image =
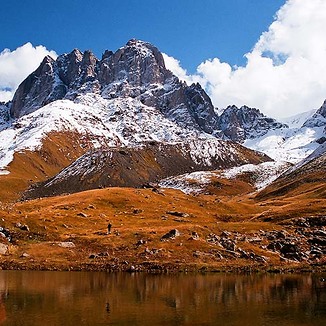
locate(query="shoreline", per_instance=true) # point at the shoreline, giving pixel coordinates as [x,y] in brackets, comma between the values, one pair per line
[165,268]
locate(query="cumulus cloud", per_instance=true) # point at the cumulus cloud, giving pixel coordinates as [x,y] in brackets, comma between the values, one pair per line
[16,65]
[175,66]
[285,72]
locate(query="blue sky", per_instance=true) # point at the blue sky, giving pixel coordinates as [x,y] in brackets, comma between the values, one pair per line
[268,54]
[190,30]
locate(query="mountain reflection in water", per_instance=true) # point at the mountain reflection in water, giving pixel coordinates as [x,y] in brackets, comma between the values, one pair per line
[88,298]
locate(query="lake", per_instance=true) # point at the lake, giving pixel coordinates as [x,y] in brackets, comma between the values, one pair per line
[96,298]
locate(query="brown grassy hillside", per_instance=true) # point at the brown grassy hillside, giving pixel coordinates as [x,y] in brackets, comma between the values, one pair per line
[58,150]
[70,232]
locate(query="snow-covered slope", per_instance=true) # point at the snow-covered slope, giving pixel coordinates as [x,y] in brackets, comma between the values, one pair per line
[288,144]
[196,182]
[320,151]
[115,122]
[308,176]
[293,144]
[318,119]
[297,121]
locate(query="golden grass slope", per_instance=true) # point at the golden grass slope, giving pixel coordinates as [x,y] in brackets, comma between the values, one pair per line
[58,150]
[139,218]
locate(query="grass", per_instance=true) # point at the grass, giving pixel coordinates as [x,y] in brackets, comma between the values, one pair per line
[139,218]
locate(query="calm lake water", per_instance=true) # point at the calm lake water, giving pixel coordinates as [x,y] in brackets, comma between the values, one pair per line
[87,298]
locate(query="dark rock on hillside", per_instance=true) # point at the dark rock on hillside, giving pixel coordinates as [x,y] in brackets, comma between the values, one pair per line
[170,235]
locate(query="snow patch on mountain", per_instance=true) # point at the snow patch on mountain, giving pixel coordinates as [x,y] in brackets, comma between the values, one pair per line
[189,183]
[321,150]
[298,120]
[265,173]
[195,183]
[291,145]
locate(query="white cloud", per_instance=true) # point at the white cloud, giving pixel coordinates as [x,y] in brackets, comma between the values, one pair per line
[285,72]
[174,65]
[16,65]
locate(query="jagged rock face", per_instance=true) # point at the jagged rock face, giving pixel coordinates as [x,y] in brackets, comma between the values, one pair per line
[4,115]
[136,70]
[318,119]
[195,101]
[69,67]
[138,63]
[38,89]
[245,123]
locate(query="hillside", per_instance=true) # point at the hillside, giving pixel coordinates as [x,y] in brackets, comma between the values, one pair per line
[306,178]
[138,167]
[207,233]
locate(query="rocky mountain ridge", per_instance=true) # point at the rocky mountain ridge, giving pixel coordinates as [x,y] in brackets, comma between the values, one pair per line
[240,124]
[136,71]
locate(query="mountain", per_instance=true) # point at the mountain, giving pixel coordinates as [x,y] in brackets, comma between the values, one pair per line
[78,103]
[295,143]
[135,71]
[240,124]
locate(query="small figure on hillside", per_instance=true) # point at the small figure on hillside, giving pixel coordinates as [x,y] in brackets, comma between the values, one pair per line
[108,308]
[109,228]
